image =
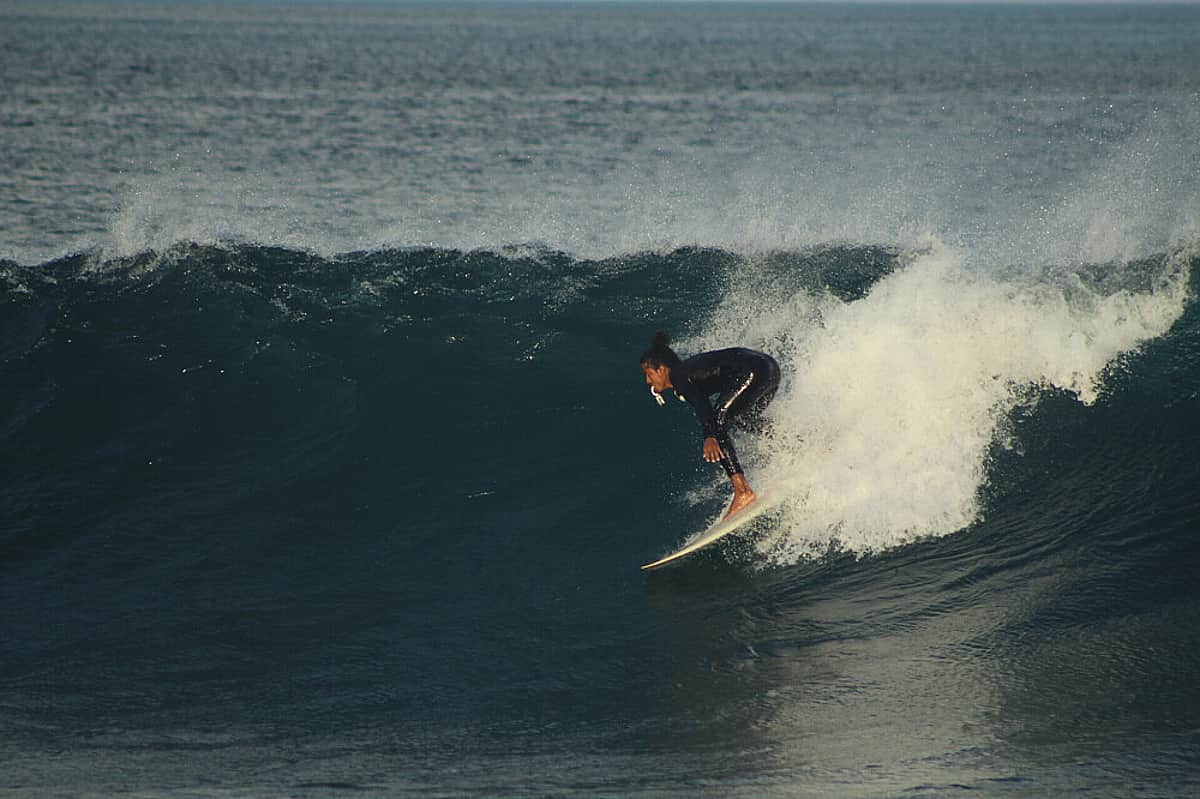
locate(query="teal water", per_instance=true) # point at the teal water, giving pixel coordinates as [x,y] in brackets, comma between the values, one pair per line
[327,468]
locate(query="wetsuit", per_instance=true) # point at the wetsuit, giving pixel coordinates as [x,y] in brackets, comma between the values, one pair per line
[745,380]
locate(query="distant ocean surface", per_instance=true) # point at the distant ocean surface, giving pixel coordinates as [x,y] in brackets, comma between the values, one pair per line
[326,467]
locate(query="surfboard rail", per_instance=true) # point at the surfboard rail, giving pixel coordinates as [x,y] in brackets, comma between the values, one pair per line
[768,498]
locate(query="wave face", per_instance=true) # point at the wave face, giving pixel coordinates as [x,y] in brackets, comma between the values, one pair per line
[337,491]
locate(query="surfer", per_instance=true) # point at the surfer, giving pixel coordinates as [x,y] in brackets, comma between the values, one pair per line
[744,380]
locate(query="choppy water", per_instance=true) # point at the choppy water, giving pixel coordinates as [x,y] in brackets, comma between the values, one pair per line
[327,468]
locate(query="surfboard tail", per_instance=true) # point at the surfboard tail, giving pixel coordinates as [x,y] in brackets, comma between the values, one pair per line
[767,499]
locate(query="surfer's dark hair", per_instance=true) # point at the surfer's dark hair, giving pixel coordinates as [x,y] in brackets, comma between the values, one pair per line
[660,352]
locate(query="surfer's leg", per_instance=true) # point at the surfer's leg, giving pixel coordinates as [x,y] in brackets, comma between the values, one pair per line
[752,415]
[729,461]
[745,405]
[734,400]
[743,495]
[748,399]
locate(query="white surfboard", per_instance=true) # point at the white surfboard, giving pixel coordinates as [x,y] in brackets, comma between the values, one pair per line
[768,498]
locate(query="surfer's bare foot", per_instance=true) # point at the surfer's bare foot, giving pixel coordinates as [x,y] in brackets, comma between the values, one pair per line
[742,495]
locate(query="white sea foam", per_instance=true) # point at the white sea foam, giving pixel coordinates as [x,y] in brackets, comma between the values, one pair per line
[891,403]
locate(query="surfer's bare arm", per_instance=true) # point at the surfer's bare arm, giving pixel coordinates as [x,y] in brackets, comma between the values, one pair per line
[712,450]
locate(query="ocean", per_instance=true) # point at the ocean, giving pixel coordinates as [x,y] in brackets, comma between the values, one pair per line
[327,467]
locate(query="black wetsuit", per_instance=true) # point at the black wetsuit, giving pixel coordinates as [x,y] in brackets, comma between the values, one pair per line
[745,381]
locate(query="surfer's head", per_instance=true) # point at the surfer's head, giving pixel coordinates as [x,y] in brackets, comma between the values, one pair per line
[658,361]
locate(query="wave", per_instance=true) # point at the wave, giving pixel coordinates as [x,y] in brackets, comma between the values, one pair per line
[899,403]
[239,375]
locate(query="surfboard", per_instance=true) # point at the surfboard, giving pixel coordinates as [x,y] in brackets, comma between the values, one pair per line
[768,498]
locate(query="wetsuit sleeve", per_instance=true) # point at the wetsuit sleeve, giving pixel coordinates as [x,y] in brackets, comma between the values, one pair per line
[712,429]
[704,412]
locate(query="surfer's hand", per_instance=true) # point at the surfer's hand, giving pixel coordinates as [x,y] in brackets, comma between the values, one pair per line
[712,450]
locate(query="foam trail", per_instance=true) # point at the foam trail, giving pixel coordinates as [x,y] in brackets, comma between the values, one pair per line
[892,402]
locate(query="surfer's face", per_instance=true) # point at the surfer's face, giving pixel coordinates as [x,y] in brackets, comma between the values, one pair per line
[658,378]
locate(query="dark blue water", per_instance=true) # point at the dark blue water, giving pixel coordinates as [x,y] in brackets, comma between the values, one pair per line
[326,467]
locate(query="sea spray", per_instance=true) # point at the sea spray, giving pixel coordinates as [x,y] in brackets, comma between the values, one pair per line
[892,403]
